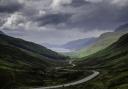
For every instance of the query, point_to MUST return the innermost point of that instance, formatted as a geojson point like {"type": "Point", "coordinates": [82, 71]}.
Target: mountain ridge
{"type": "Point", "coordinates": [80, 43]}
{"type": "Point", "coordinates": [105, 40]}
{"type": "Point", "coordinates": [30, 46]}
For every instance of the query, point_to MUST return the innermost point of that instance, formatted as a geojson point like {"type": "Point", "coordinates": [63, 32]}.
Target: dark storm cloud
{"type": "Point", "coordinates": [10, 6]}
{"type": "Point", "coordinates": [96, 14]}
{"type": "Point", "coordinates": [84, 14]}
{"type": "Point", "coordinates": [77, 3]}
{"type": "Point", "coordinates": [61, 21]}
{"type": "Point", "coordinates": [53, 19]}
{"type": "Point", "coordinates": [99, 17]}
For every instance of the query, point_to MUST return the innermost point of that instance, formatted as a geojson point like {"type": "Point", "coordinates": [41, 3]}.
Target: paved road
{"type": "Point", "coordinates": [95, 74]}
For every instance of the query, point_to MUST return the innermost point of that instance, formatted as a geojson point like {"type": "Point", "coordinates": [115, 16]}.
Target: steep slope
{"type": "Point", "coordinates": [114, 51]}
{"type": "Point", "coordinates": [18, 67]}
{"type": "Point", "coordinates": [30, 47]}
{"type": "Point", "coordinates": [102, 42]}
{"type": "Point", "coordinates": [112, 63]}
{"type": "Point", "coordinates": [21, 64]}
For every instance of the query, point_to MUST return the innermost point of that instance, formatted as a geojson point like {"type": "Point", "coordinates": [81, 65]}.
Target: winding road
{"type": "Point", "coordinates": [90, 77]}
{"type": "Point", "coordinates": [95, 74]}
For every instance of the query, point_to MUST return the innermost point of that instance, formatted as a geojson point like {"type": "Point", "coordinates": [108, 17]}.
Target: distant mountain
{"type": "Point", "coordinates": [122, 28]}
{"type": "Point", "coordinates": [102, 42]}
{"type": "Point", "coordinates": [48, 45]}
{"type": "Point", "coordinates": [25, 63]}
{"type": "Point", "coordinates": [78, 44]}
{"type": "Point", "coordinates": [112, 62]}
{"type": "Point", "coordinates": [72, 45]}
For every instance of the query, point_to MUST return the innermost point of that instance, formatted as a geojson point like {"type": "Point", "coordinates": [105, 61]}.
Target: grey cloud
{"type": "Point", "coordinates": [100, 14]}
{"type": "Point", "coordinates": [71, 20]}
{"type": "Point", "coordinates": [85, 14]}
{"type": "Point", "coordinates": [77, 3]}
{"type": "Point", "coordinates": [101, 17]}
{"type": "Point", "coordinates": [9, 6]}
{"type": "Point", "coordinates": [53, 19]}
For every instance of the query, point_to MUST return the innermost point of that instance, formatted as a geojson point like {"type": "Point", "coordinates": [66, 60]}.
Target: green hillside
{"type": "Point", "coordinates": [30, 47]}
{"type": "Point", "coordinates": [24, 63]}
{"type": "Point", "coordinates": [103, 41]}
{"type": "Point", "coordinates": [112, 63]}
{"type": "Point", "coordinates": [116, 50]}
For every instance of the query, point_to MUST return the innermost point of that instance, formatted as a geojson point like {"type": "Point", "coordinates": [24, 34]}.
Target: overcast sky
{"type": "Point", "coordinates": [60, 21]}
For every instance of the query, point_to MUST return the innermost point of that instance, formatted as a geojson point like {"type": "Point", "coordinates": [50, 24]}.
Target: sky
{"type": "Point", "coordinates": [61, 21]}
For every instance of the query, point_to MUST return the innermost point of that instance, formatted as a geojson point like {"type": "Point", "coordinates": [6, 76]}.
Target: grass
{"type": "Point", "coordinates": [20, 69]}
{"type": "Point", "coordinates": [112, 63]}
{"type": "Point", "coordinates": [25, 63]}
{"type": "Point", "coordinates": [103, 41]}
